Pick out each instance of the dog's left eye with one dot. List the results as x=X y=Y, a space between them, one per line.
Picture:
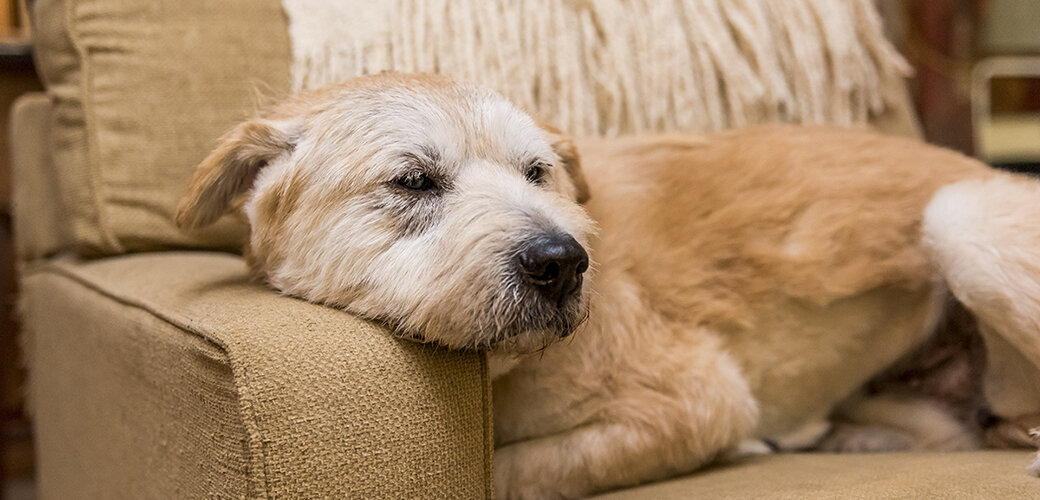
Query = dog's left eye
x=535 y=172
x=415 y=181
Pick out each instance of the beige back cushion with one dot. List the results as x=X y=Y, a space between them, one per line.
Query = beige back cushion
x=141 y=91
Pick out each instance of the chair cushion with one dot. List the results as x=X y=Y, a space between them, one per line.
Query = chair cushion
x=174 y=375
x=967 y=475
x=141 y=90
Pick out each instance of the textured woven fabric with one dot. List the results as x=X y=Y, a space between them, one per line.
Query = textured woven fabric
x=126 y=405
x=969 y=476
x=618 y=67
x=38 y=204
x=171 y=375
x=142 y=90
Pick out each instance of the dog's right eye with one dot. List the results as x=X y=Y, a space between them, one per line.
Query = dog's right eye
x=415 y=181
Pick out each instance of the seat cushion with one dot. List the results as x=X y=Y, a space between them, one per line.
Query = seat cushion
x=174 y=375
x=967 y=475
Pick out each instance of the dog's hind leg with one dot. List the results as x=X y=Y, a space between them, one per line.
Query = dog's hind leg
x=984 y=236
x=890 y=422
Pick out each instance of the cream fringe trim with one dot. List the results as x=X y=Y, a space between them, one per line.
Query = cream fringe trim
x=610 y=67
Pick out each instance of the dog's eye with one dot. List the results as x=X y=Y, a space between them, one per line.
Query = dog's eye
x=535 y=172
x=415 y=181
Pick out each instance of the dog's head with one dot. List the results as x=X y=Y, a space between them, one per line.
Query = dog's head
x=434 y=206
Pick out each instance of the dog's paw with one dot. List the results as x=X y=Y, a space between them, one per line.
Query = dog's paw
x=1035 y=466
x=746 y=448
x=516 y=478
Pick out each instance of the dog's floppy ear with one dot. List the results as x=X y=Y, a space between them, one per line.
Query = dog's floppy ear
x=564 y=148
x=232 y=167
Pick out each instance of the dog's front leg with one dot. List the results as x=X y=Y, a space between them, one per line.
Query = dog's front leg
x=589 y=459
x=645 y=433
x=571 y=464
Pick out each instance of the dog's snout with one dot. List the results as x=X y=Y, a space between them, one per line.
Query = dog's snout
x=553 y=264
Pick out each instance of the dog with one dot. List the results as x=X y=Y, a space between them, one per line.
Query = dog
x=650 y=306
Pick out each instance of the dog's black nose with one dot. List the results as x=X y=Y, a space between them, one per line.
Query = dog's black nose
x=553 y=264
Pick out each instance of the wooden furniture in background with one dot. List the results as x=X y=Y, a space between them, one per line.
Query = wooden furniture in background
x=1006 y=87
x=17 y=76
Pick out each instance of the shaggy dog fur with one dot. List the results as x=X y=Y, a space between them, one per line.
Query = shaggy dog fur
x=742 y=286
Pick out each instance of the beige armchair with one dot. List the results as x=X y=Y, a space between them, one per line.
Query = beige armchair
x=159 y=369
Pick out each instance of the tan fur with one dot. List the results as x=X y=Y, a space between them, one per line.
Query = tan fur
x=742 y=285
x=347 y=148
x=570 y=160
x=889 y=422
x=984 y=235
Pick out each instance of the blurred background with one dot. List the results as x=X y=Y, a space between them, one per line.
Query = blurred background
x=976 y=89
x=977 y=74
x=17 y=76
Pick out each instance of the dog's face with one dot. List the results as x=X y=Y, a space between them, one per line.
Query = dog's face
x=434 y=206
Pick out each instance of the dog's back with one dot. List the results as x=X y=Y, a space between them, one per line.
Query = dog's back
x=801 y=246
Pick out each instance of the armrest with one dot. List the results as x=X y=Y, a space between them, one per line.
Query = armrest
x=170 y=374
x=40 y=223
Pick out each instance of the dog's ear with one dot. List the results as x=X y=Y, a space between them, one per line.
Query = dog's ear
x=232 y=167
x=565 y=150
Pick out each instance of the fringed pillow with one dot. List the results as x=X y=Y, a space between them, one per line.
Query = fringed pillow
x=610 y=67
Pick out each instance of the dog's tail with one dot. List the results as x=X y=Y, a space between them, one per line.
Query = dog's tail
x=984 y=235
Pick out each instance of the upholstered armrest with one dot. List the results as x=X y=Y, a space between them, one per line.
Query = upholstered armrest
x=172 y=375
x=39 y=209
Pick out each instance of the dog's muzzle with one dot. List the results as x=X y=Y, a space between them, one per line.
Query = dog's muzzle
x=553 y=265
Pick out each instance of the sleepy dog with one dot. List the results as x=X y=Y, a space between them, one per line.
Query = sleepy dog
x=659 y=303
